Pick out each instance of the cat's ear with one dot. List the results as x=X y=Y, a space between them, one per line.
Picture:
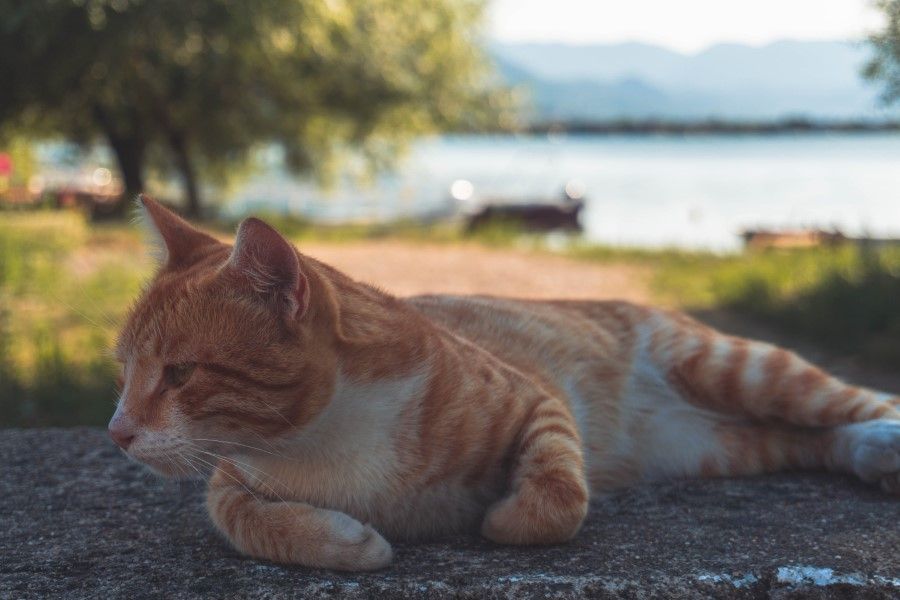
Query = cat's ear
x=176 y=242
x=270 y=266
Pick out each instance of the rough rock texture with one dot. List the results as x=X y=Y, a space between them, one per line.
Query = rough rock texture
x=78 y=520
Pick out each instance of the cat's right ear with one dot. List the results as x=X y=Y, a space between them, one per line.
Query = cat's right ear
x=176 y=242
x=269 y=266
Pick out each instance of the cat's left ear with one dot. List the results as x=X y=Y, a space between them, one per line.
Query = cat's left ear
x=269 y=265
x=177 y=242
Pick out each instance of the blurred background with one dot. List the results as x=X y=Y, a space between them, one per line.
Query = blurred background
x=740 y=161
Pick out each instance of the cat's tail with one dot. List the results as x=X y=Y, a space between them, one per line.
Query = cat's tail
x=763 y=382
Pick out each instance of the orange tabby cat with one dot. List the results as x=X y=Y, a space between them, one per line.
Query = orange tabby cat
x=332 y=413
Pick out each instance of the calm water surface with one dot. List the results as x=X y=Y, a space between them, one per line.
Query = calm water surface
x=695 y=192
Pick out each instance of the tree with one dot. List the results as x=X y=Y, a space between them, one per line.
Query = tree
x=885 y=66
x=193 y=87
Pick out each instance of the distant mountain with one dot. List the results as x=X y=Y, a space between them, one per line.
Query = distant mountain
x=819 y=80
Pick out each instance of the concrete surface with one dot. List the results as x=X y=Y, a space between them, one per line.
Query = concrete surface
x=78 y=520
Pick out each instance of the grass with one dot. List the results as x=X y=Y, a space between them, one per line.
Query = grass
x=65 y=286
x=845 y=298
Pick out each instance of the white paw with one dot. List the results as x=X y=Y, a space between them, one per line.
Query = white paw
x=873 y=452
x=354 y=546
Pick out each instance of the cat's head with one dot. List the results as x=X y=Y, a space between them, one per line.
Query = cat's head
x=226 y=351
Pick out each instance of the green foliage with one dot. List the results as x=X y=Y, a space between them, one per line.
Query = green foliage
x=885 y=65
x=58 y=314
x=33 y=245
x=844 y=298
x=196 y=86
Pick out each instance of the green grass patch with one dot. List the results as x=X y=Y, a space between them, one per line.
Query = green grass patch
x=846 y=298
x=64 y=287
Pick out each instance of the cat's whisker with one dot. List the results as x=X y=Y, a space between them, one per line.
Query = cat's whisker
x=229 y=475
x=182 y=462
x=105 y=316
x=275 y=410
x=257 y=472
x=260 y=475
x=188 y=462
x=82 y=314
x=254 y=470
x=265 y=441
x=214 y=468
x=243 y=446
x=172 y=464
x=231 y=443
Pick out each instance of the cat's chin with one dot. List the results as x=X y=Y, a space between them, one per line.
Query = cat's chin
x=171 y=468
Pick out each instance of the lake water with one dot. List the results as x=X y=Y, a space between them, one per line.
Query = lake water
x=693 y=192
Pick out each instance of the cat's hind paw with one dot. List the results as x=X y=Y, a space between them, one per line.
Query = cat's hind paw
x=873 y=452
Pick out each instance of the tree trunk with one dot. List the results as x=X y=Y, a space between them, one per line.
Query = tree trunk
x=185 y=165
x=130 y=151
x=130 y=156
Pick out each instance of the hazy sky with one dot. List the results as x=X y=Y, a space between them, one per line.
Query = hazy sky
x=686 y=25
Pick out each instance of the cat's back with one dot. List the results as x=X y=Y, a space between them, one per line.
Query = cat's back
x=559 y=341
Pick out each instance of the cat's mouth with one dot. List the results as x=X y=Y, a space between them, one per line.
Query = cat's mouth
x=172 y=463
x=171 y=469
x=173 y=466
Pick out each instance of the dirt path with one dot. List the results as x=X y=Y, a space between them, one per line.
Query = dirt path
x=407 y=269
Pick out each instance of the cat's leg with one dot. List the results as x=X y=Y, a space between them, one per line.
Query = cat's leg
x=796 y=414
x=870 y=450
x=291 y=532
x=678 y=440
x=548 y=496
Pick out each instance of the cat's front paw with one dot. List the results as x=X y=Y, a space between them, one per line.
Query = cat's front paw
x=874 y=452
x=527 y=517
x=352 y=546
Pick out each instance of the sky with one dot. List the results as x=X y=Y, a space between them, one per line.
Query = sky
x=685 y=25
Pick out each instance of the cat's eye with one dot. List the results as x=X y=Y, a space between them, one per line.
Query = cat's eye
x=177 y=375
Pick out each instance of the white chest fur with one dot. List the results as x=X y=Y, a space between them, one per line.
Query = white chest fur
x=346 y=459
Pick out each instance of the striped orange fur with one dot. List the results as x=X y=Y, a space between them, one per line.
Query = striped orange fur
x=329 y=416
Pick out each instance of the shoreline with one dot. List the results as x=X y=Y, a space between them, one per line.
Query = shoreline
x=712 y=126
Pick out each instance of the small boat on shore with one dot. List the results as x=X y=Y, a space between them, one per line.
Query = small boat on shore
x=539 y=214
x=761 y=239
x=532 y=216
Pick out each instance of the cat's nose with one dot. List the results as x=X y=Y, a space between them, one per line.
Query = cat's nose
x=121 y=435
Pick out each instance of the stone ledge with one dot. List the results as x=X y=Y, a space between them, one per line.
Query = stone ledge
x=81 y=521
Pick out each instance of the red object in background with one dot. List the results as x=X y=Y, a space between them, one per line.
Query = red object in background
x=6 y=165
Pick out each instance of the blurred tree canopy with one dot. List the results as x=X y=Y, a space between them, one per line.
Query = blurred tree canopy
x=194 y=86
x=885 y=66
